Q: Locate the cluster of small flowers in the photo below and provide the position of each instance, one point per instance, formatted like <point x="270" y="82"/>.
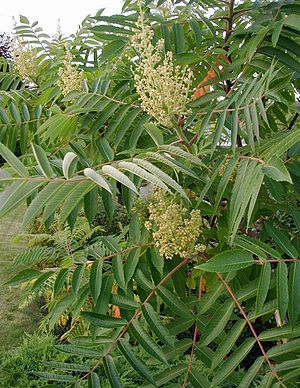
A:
<point x="173" y="232"/>
<point x="70" y="77"/>
<point x="163" y="87"/>
<point x="25" y="60"/>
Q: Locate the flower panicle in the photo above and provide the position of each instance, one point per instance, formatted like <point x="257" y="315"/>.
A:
<point x="174" y="231"/>
<point x="70" y="77"/>
<point x="163" y="87"/>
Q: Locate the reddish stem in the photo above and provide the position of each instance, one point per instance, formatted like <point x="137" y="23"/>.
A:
<point x="194" y="339"/>
<point x="135" y="315"/>
<point x="251" y="328"/>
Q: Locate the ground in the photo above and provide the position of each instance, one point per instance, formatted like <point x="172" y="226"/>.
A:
<point x="13" y="320"/>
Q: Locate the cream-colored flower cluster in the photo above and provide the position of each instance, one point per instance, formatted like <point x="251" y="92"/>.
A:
<point x="70" y="77"/>
<point x="162" y="87"/>
<point x="173" y="230"/>
<point x="25" y="60"/>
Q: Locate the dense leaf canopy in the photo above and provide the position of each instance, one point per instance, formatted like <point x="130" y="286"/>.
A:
<point x="199" y="99"/>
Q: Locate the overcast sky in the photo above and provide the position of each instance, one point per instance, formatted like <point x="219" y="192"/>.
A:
<point x="48" y="12"/>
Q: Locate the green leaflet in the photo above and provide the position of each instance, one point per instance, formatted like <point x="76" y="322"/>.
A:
<point x="124" y="302"/>
<point x="282" y="289"/>
<point x="59" y="281"/>
<point x="16" y="194"/>
<point x="103" y="320"/>
<point x="78" y="351"/>
<point x="160" y="174"/>
<point x="194" y="24"/>
<point x="105" y="149"/>
<point x="213" y="175"/>
<point x="249" y="129"/>
<point x="155" y="133"/>
<point x="97" y="178"/>
<point x="77" y="277"/>
<point x="40" y="201"/>
<point x="81" y="299"/>
<point x="286" y="331"/>
<point x="59" y="308"/>
<point x="179" y="152"/>
<point x="131" y="263"/>
<point x="227" y="261"/>
<point x="171" y="163"/>
<point x="281" y="240"/>
<point x="94" y="381"/>
<point x="57" y="198"/>
<point x="219" y="129"/>
<point x="118" y="270"/>
<point x="251" y="373"/>
<point x="56" y="377"/>
<point x="224" y="182"/>
<point x="217" y="323"/>
<point x="91" y="204"/>
<point x="156" y="259"/>
<point x="294" y="293"/>
<point x="111" y="372"/>
<point x="167" y="375"/>
<point x="96" y="279"/>
<point x="103" y="299"/>
<point x="234" y="129"/>
<point x="135" y="362"/>
<point x="119" y="176"/>
<point x="198" y="380"/>
<point x="23" y="276"/>
<point x="79" y="191"/>
<point x="15" y="113"/>
<point x="263" y="287"/>
<point x="281" y="145"/>
<point x="282" y="56"/>
<point x="147" y="342"/>
<point x="275" y="169"/>
<point x="40" y="280"/>
<point x="254" y="244"/>
<point x="13" y="161"/>
<point x="179" y="38"/>
<point x="254" y="249"/>
<point x="42" y="160"/>
<point x="281" y="350"/>
<point x="233" y="361"/>
<point x="131" y="167"/>
<point x="175" y="304"/>
<point x="156" y="326"/>
<point x="227" y="343"/>
<point x="276" y="32"/>
<point x="69" y="164"/>
<point x="209" y="298"/>
<point x="4" y="116"/>
<point x="68" y="366"/>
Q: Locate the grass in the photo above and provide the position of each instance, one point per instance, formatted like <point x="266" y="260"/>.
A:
<point x="13" y="320"/>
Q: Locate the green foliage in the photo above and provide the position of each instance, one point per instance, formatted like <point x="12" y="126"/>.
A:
<point x="233" y="156"/>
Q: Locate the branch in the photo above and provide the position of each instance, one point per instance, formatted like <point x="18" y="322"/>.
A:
<point x="194" y="338"/>
<point x="90" y="262"/>
<point x="252" y="329"/>
<point x="135" y="315"/>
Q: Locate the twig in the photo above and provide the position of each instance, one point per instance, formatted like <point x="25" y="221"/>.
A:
<point x="135" y="315"/>
<point x="194" y="339"/>
<point x="252" y="329"/>
<point x="90" y="262"/>
<point x="249" y="324"/>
